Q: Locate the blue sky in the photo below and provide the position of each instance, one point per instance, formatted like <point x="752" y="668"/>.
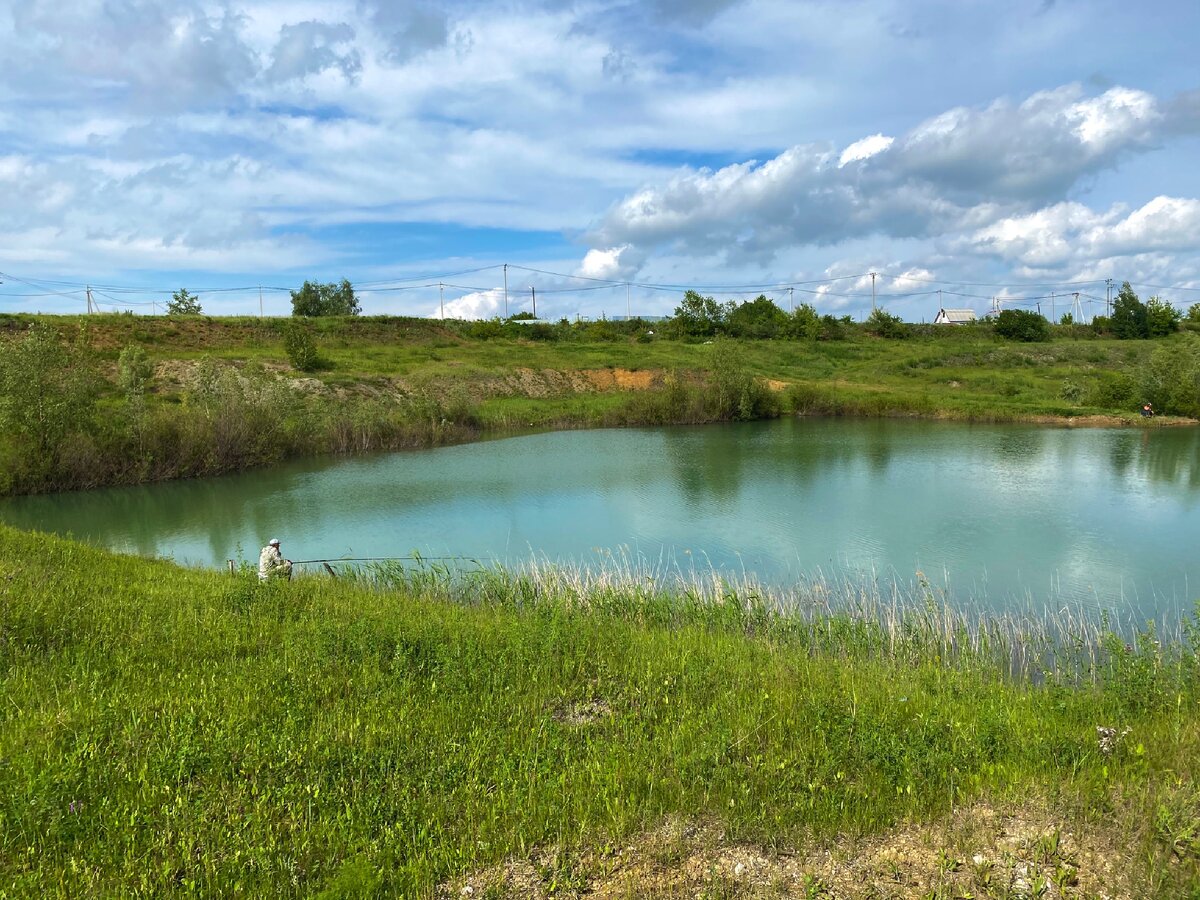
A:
<point x="1011" y="150"/>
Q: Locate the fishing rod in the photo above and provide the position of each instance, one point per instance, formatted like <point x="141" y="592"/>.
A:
<point x="300" y="562"/>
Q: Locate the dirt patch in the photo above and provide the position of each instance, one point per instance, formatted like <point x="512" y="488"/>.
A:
<point x="979" y="852"/>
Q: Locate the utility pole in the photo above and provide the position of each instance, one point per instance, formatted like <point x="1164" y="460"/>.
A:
<point x="872" y="292"/>
<point x="628" y="311"/>
<point x="260" y="310"/>
<point x="442" y="301"/>
<point x="1052" y="306"/>
<point x="506" y="290"/>
<point x="792" y="299"/>
<point x="1108" y="297"/>
<point x="533" y="292"/>
<point x="940" y="305"/>
<point x="89" y="299"/>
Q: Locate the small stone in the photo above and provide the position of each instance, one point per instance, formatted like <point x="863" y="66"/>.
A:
<point x="979" y="859"/>
<point x="467" y="891"/>
<point x="739" y="870"/>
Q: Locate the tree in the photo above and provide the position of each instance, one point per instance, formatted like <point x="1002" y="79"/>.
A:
<point x="1193" y="313"/>
<point x="183" y="304"/>
<point x="758" y="318"/>
<point x="1128" y="320"/>
<point x="134" y="371"/>
<point x="883" y="324"/>
<point x="1067" y="319"/>
<point x="1162" y="318"/>
<point x="321" y="299"/>
<point x="805" y="323"/>
<point x="1022" y="325"/>
<point x="698" y="316"/>
<point x="45" y="391"/>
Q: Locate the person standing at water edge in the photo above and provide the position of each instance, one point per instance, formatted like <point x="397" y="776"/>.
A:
<point x="271" y="563"/>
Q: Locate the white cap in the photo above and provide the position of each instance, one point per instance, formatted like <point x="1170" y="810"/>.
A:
<point x="273" y="542"/>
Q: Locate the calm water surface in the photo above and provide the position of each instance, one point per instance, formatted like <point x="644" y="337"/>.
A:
<point x="1102" y="518"/>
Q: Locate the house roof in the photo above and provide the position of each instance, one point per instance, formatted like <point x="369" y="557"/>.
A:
<point x="956" y="315"/>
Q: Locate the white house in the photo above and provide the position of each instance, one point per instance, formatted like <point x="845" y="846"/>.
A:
<point x="954" y="317"/>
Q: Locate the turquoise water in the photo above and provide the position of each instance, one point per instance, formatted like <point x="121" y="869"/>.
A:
<point x="1103" y="518"/>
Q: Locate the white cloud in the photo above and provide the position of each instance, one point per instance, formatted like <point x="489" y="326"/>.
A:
<point x="476" y="305"/>
<point x="1071" y="234"/>
<point x="865" y="149"/>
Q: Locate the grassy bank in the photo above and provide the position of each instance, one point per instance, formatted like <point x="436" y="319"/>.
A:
<point x="122" y="399"/>
<point x="167" y="732"/>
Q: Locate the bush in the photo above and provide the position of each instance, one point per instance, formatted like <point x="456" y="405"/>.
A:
<point x="1022" y="325"/>
<point x="301" y="349"/>
<point x="1171" y="379"/>
<point x="734" y="391"/>
<point x="883" y="324"/>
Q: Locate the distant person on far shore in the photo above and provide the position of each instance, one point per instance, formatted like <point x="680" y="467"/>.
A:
<point x="271" y="563"/>
<point x="1147" y="410"/>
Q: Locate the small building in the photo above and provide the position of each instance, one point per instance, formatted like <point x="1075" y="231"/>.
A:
<point x="954" y="317"/>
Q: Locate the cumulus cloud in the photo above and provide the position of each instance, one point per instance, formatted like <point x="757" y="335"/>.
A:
<point x="162" y="55"/>
<point x="407" y="30"/>
<point x="962" y="169"/>
<point x="1071" y="233"/>
<point x="614" y="264"/>
<point x="476" y="305"/>
<point x="865" y="149"/>
<point x="306" y="48"/>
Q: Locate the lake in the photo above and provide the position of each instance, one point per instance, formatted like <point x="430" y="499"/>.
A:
<point x="1098" y="518"/>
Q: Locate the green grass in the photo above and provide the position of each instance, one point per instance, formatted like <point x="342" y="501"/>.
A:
<point x="391" y="383"/>
<point x="171" y="732"/>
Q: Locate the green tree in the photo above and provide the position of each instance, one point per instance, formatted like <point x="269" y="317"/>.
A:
<point x="698" y="316"/>
<point x="183" y="304"/>
<point x="134" y="372"/>
<point x="1171" y="378"/>
<point x="1022" y="325"/>
<point x="1067" y="319"/>
<point x="883" y="324"/>
<point x="758" y="318"/>
<point x="325" y="299"/>
<point x="45" y="391"/>
<point x="1128" y="320"/>
<point x="1193" y="313"/>
<point x="1162" y="318"/>
<point x="805" y="323"/>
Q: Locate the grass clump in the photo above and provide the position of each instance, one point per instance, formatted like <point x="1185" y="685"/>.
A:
<point x="170" y="732"/>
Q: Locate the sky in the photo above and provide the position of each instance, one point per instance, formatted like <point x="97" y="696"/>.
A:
<point x="605" y="155"/>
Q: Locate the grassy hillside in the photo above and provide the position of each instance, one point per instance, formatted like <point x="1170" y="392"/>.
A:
<point x="168" y="732"/>
<point x="215" y="395"/>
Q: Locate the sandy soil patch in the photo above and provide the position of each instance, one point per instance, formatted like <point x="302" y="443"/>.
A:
<point x="980" y="852"/>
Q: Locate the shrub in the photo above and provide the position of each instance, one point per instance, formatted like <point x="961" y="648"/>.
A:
<point x="301" y="349"/>
<point x="1171" y="379"/>
<point x="883" y="324"/>
<point x="1022" y="325"/>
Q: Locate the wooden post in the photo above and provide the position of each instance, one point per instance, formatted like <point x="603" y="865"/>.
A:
<point x="329" y="569"/>
<point x="231" y="570"/>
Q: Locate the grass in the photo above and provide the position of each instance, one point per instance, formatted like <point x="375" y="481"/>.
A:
<point x="172" y="732"/>
<point x="224" y="397"/>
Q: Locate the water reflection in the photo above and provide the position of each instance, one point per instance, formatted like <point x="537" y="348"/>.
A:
<point x="1045" y="514"/>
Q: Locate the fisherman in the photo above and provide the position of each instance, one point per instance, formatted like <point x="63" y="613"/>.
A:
<point x="1147" y="410"/>
<point x="271" y="563"/>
